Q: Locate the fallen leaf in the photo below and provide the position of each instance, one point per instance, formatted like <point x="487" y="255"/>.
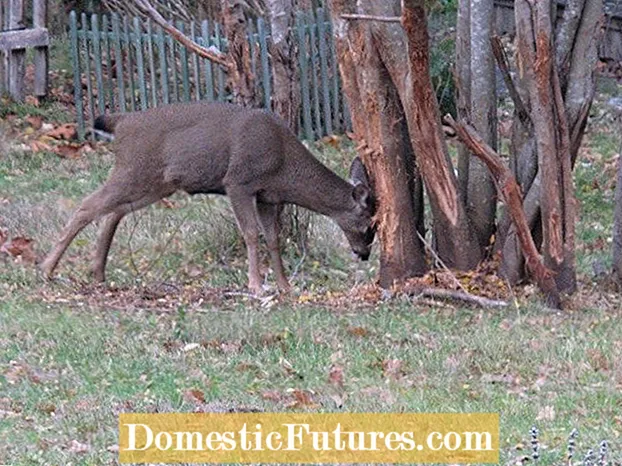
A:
<point x="68" y="151"/>
<point x="77" y="447"/>
<point x="66" y="131"/>
<point x="19" y="247"/>
<point x="40" y="146"/>
<point x="195" y="395"/>
<point x="392" y="369"/>
<point x="597" y="360"/>
<point x="358" y="331"/>
<point x="35" y="121"/>
<point x="335" y="376"/>
<point x="302" y="398"/>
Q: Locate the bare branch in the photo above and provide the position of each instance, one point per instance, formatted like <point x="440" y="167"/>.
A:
<point x="439" y="293"/>
<point x="504" y="66"/>
<point x="511" y="193"/>
<point x="211" y="53"/>
<point x="383" y="19"/>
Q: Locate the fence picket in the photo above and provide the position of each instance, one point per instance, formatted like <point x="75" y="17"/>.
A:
<point x="130" y="62"/>
<point x="321" y="26"/>
<point x="183" y="58"/>
<point x="116" y="33"/>
<point x="304" y="76"/>
<point x="97" y="58"/>
<point x="163" y="66"/>
<point x="87" y="61"/>
<point x="140" y="63"/>
<point x="152" y="68"/>
<point x="174" y="83"/>
<point x="107" y="49"/>
<point x="195" y="64"/>
<point x="220" y="73"/>
<point x="77" y="75"/>
<point x="209" y="77"/>
<point x="314" y="79"/>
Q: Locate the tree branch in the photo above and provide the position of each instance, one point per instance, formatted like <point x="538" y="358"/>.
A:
<point x="511" y="193"/>
<point x="504" y="66"/>
<point x="211" y="53"/>
<point x="382" y="19"/>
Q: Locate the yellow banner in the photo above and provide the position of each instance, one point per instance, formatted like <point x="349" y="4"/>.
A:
<point x="309" y="438"/>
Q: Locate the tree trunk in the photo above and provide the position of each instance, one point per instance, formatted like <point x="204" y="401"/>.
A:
<point x="552" y="140"/>
<point x="240" y="77"/>
<point x="284" y="55"/>
<point x="379" y="125"/>
<point x="463" y="87"/>
<point x="481" y="194"/>
<point x="451" y="228"/>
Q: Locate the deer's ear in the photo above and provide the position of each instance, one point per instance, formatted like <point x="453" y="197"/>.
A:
<point x="362" y="196"/>
<point x="358" y="173"/>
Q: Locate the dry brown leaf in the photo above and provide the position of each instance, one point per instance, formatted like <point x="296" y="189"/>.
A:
<point x="66" y="132"/>
<point x="335" y="376"/>
<point x="35" y="121"/>
<point x="358" y="331"/>
<point x="40" y="146"/>
<point x="598" y="360"/>
<point x="68" y="151"/>
<point x="194" y="395"/>
<point x="302" y="398"/>
<point x="20" y="247"/>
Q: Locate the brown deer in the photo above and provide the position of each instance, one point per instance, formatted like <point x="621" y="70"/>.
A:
<point x="216" y="148"/>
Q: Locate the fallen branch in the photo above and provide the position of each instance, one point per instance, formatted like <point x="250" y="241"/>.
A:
<point x="511" y="193"/>
<point x="438" y="293"/>
<point x="211" y="53"/>
<point x="382" y="19"/>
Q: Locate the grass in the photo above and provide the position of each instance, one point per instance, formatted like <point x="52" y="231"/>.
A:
<point x="73" y="356"/>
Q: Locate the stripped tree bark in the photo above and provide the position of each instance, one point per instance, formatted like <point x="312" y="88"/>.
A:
<point x="568" y="72"/>
<point x="513" y="198"/>
<point x="379" y="126"/>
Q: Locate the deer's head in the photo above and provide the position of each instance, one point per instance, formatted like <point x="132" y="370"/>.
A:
<point x="357" y="221"/>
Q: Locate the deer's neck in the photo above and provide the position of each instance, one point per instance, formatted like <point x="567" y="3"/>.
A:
<point x="313" y="186"/>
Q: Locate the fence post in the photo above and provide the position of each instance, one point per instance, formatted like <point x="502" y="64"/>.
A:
<point x="209" y="79"/>
<point x="77" y="81"/>
<point x="39" y="19"/>
<point x="328" y="124"/>
<point x="118" y="55"/>
<point x="97" y="57"/>
<point x="17" y="57"/>
<point x="304" y="75"/>
<point x="140" y="63"/>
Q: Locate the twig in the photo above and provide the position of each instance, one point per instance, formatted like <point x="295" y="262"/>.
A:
<point x="460" y="296"/>
<point x="211" y="53"/>
<point x="382" y="19"/>
<point x="504" y="66"/>
<point x="440" y="261"/>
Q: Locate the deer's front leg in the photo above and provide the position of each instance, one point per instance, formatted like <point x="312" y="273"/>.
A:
<point x="245" y="213"/>
<point x="269" y="218"/>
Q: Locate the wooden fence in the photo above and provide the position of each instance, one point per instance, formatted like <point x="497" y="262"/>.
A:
<point x="15" y="38"/>
<point x="123" y="64"/>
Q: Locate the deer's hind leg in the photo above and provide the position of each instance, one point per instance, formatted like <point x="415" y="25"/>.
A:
<point x="103" y="245"/>
<point x="269" y="218"/>
<point x="114" y="197"/>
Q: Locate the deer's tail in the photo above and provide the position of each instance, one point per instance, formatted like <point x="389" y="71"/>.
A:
<point x="107" y="123"/>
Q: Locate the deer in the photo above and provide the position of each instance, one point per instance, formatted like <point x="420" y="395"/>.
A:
<point x="247" y="154"/>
